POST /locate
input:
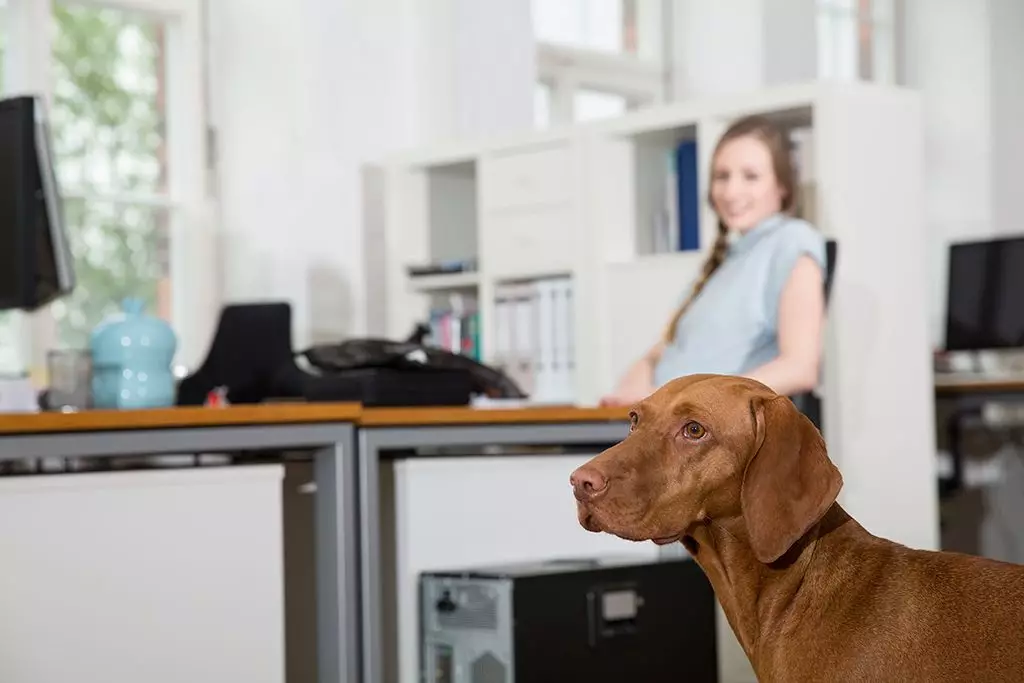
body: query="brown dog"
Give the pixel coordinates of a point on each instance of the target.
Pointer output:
(743, 479)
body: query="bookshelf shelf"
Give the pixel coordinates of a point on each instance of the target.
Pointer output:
(444, 282)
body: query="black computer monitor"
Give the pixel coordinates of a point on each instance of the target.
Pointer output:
(35, 259)
(985, 295)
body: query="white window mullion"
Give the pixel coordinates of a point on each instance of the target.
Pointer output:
(562, 89)
(196, 296)
(842, 53)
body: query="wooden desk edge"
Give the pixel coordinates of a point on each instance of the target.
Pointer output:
(186, 417)
(952, 388)
(456, 416)
(277, 414)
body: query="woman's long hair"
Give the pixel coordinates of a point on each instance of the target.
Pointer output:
(772, 136)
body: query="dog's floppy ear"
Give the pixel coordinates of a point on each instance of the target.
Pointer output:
(789, 482)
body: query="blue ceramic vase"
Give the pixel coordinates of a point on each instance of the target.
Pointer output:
(132, 353)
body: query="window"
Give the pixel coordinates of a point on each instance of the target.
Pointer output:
(594, 104)
(109, 90)
(597, 58)
(607, 25)
(857, 39)
(124, 89)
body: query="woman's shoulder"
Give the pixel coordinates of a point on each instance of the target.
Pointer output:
(797, 236)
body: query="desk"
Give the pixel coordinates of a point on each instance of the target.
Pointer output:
(968, 384)
(399, 432)
(970, 392)
(326, 429)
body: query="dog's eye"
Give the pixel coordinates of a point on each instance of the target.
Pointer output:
(693, 430)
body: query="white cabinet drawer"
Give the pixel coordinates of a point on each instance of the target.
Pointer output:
(536, 177)
(525, 243)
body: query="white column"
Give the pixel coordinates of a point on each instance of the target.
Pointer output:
(790, 35)
(957, 92)
(1007, 111)
(477, 65)
(717, 47)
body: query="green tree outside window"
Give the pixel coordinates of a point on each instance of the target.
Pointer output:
(109, 142)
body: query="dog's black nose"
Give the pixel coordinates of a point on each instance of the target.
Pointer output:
(587, 483)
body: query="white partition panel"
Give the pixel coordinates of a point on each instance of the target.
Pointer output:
(155, 576)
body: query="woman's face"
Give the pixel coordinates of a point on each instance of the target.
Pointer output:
(744, 189)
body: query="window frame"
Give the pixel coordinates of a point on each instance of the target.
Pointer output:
(28, 68)
(840, 24)
(642, 78)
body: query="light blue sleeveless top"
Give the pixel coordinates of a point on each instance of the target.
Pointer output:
(731, 328)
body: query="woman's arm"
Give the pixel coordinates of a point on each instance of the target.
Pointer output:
(801, 325)
(638, 381)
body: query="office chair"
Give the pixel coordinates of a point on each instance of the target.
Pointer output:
(809, 403)
(251, 354)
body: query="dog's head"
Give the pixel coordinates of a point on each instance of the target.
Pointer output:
(711, 448)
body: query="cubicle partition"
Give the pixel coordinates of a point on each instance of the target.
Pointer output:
(234, 575)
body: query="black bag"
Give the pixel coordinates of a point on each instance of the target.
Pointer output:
(411, 361)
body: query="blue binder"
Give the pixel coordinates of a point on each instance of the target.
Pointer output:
(688, 193)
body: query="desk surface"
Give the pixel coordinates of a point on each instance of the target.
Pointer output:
(294, 413)
(428, 417)
(975, 382)
(182, 418)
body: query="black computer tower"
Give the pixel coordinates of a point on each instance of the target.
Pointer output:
(612, 620)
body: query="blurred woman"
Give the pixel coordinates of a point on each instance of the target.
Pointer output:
(757, 308)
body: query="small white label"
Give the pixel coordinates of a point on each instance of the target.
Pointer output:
(617, 605)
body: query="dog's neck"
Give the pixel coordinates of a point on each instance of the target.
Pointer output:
(753, 595)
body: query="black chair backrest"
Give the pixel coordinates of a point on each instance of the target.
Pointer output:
(808, 402)
(831, 249)
(251, 354)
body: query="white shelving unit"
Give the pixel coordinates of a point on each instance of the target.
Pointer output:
(579, 203)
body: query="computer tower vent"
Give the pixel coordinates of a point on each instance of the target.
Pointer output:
(488, 669)
(475, 607)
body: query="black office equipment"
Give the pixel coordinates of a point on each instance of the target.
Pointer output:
(251, 356)
(35, 259)
(595, 620)
(985, 295)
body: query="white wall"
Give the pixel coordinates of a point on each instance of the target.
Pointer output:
(736, 45)
(956, 87)
(717, 47)
(1007, 89)
(790, 41)
(973, 108)
(302, 97)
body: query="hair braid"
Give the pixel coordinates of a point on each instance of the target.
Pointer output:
(714, 260)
